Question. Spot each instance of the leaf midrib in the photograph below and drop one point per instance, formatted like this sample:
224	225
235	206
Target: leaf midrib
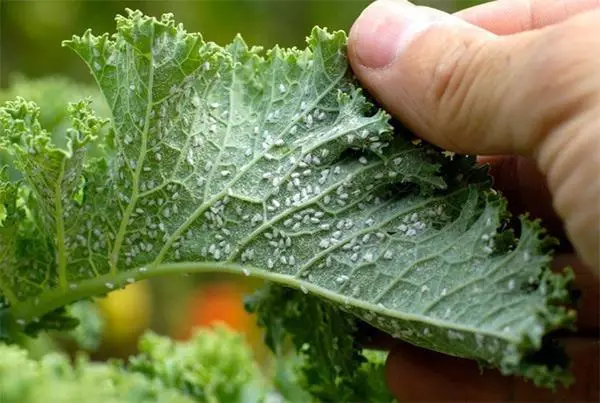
61	257
116	249
56	298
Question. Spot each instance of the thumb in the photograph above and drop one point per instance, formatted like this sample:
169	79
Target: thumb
455	84
535	93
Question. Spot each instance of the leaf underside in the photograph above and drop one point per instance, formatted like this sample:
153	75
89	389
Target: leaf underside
272	164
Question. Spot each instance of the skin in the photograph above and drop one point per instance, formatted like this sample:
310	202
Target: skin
516	82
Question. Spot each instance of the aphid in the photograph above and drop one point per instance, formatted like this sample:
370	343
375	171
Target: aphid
341	279
309	120
452	334
324	243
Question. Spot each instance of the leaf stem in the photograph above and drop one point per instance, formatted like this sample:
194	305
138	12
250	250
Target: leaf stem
61	257
97	286
116	249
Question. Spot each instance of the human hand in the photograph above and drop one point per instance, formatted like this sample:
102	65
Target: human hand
519	83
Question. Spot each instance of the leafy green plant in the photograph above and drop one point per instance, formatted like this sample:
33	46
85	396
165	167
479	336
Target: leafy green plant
271	164
214	366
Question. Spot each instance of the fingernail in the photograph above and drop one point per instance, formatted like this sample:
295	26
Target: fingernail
385	28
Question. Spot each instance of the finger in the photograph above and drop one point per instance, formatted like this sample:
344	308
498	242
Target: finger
583	353
506	17
466	89
419	375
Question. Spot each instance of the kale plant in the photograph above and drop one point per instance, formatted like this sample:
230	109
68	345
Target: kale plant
214	366
272	164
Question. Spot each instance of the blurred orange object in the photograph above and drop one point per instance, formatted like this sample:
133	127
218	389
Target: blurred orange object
216	302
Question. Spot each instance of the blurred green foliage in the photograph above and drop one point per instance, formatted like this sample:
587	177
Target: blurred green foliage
31	31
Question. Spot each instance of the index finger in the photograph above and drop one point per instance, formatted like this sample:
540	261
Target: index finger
506	17
417	375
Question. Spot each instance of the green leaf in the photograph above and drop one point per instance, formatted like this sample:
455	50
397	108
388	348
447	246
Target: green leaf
274	164
9	219
23	380
52	94
331	366
88	335
213	366
53	175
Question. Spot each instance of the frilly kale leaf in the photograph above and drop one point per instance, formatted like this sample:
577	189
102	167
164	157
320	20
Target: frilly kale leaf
331	366
214	366
88	334
23	380
52	94
271	164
